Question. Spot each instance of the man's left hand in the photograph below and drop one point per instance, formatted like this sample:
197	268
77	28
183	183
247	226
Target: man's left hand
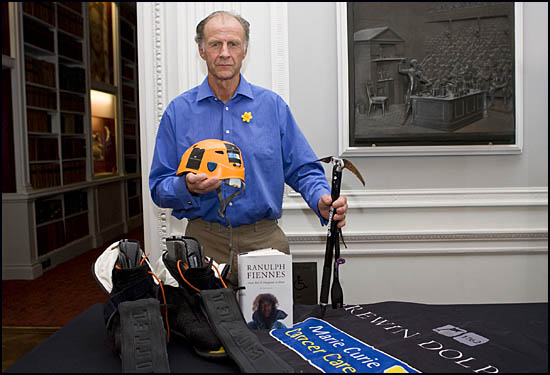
340	208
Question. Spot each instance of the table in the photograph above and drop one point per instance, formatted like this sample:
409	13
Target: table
426	337
448	113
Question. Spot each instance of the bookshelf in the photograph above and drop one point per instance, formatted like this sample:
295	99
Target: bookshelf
130	108
8	72
56	92
54	207
129	86
133	191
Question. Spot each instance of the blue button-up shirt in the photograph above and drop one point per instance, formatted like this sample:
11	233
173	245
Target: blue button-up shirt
273	148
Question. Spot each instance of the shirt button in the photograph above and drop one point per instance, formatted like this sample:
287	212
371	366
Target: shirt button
227	108
189	203
227	132
231	203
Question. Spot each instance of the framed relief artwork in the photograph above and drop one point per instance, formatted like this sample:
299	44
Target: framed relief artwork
429	78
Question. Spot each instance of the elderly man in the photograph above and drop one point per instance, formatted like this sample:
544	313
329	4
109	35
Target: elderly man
274	151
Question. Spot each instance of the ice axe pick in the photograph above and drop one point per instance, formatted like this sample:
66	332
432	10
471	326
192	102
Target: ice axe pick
333	237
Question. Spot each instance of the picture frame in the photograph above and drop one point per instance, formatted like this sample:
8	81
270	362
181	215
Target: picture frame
462	102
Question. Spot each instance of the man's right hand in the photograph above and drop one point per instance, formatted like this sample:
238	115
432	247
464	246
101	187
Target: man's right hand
200	183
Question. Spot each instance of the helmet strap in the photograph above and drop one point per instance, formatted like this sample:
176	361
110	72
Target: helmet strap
225	202
221	213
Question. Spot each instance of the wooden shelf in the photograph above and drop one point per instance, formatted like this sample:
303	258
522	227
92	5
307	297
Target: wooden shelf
71	60
40	85
43	135
76	214
50	110
48	222
53	161
40	10
32	50
73	92
70	35
72	112
39	20
62	4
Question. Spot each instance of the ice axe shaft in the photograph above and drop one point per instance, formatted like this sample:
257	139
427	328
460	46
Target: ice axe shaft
331	237
333	240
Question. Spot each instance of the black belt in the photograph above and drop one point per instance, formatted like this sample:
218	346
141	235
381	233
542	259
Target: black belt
242	345
143	346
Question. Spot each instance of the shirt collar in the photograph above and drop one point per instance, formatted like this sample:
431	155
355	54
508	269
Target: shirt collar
244	89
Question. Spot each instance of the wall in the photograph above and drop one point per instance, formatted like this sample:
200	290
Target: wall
432	229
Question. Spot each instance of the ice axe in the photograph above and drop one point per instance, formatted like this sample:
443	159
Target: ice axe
333	237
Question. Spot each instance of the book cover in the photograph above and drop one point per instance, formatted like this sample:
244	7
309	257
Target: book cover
266	300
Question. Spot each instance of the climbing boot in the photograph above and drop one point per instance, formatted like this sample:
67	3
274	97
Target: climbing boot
132	314
184	272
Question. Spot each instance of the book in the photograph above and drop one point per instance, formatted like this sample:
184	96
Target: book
266	300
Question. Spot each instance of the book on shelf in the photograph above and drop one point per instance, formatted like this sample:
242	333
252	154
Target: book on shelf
129	111
42	149
45	175
74	171
38	121
128	93
70	22
266	300
127	71
127	50
74	5
40	72
129	128
41	10
74	79
126	30
41	97
134	206
38	35
76	227
72	123
48	209
73	148
75	202
71	102
128	12
69	47
50	237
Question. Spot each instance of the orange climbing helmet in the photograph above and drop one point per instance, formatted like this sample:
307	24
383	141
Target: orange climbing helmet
215	158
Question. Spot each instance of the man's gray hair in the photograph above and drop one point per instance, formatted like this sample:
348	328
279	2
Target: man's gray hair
199	38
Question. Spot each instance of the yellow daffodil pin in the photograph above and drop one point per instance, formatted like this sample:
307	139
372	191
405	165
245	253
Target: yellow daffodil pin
247	116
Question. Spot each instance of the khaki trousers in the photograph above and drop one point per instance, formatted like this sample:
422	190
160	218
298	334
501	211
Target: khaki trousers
215	239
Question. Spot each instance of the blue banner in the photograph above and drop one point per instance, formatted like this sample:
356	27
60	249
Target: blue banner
331	350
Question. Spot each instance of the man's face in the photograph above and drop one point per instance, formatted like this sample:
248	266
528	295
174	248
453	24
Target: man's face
223	47
265	308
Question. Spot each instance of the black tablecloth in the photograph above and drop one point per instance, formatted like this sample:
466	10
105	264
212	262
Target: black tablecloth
429	338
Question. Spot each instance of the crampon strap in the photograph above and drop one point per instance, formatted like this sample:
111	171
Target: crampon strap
242	345
143	347
135	292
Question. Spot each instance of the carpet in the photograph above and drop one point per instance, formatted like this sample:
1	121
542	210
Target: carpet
59	295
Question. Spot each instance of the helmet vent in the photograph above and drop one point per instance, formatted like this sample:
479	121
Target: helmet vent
195	158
